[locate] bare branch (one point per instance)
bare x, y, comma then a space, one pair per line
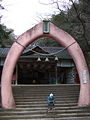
59, 7
1, 7
82, 23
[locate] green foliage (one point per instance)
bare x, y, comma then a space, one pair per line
45, 41
75, 21
6, 35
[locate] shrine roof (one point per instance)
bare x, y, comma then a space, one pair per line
35, 50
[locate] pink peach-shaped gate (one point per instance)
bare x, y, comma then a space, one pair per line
27, 38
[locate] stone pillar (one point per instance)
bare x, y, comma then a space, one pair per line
79, 59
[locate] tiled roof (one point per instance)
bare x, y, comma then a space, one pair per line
4, 52
52, 49
63, 54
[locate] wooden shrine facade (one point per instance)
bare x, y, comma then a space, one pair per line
33, 68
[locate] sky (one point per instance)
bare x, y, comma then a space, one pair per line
21, 15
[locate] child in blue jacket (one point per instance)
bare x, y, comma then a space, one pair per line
51, 101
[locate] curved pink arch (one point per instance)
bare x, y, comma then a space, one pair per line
27, 38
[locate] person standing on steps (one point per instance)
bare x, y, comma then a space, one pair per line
51, 101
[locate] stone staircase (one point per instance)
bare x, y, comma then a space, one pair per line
31, 103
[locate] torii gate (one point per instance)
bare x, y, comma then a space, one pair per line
43, 29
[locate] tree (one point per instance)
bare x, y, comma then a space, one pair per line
75, 20
6, 35
82, 15
45, 41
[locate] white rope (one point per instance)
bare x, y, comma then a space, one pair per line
54, 52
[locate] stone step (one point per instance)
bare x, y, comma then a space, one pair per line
39, 114
69, 118
31, 103
38, 95
41, 94
45, 108
34, 111
46, 115
47, 88
43, 102
45, 92
45, 98
37, 104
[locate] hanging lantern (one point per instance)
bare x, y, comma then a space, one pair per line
56, 58
46, 59
38, 59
